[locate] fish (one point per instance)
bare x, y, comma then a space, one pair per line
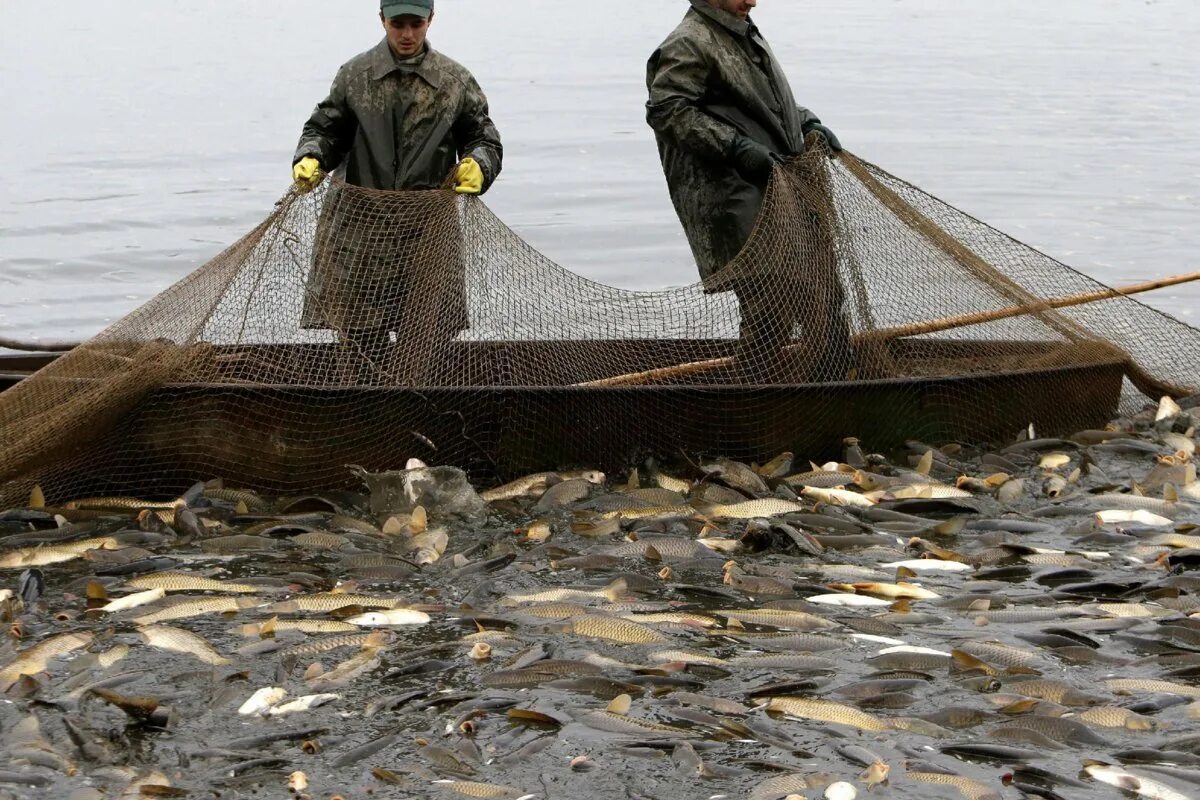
736, 475
754, 509
325, 644
535, 485
849, 600
616, 629
837, 497
301, 704
777, 618
615, 719
185, 582
261, 702
894, 591
428, 547
1149, 685
1127, 781
196, 607
123, 504
54, 554
1140, 517
615, 591
483, 790
825, 711
919, 565
364, 661
325, 602
134, 600
392, 616
178, 640
35, 659
1117, 717
970, 789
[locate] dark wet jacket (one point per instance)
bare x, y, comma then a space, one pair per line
402, 125
714, 78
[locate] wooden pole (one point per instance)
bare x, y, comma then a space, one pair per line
911, 329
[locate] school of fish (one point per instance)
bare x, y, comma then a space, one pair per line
944, 622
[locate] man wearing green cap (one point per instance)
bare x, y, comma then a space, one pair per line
724, 115
400, 116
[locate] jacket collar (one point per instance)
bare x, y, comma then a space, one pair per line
383, 63
731, 23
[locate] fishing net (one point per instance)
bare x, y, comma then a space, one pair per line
363, 327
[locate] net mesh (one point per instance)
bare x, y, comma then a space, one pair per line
361, 327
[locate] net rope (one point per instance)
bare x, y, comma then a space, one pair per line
355, 326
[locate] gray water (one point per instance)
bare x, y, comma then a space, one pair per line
142, 138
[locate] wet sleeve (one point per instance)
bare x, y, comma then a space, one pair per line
476, 135
677, 78
807, 119
329, 132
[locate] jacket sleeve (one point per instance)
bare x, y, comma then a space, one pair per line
329, 132
476, 135
677, 77
807, 119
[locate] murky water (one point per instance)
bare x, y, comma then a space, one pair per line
141, 139
1023, 653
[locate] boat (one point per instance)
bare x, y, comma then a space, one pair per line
287, 437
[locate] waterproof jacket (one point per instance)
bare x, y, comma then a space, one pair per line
402, 125
713, 79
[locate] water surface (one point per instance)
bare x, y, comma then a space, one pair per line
141, 139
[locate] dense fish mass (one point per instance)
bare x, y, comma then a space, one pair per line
943, 622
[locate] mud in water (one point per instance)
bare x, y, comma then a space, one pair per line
939, 623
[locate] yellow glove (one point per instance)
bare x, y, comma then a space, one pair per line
469, 177
307, 174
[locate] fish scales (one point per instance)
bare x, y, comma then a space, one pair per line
826, 711
186, 609
185, 582
970, 789
182, 641
599, 626
324, 645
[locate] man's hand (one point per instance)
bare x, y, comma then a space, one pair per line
469, 176
754, 162
827, 134
306, 174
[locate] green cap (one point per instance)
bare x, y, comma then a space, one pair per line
417, 8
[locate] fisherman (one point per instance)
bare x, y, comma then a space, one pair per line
400, 117
724, 116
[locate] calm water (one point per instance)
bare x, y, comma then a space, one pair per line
140, 139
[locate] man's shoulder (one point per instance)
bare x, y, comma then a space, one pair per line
447, 67
694, 30
361, 62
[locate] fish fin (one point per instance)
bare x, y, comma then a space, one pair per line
905, 572
96, 591
617, 589
419, 521
1171, 493
652, 554
1129, 783
267, 629
965, 662
998, 479
1023, 706
1021, 671
375, 640
902, 606
925, 465
951, 527
634, 481
1075, 475
242, 508
37, 498
620, 705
